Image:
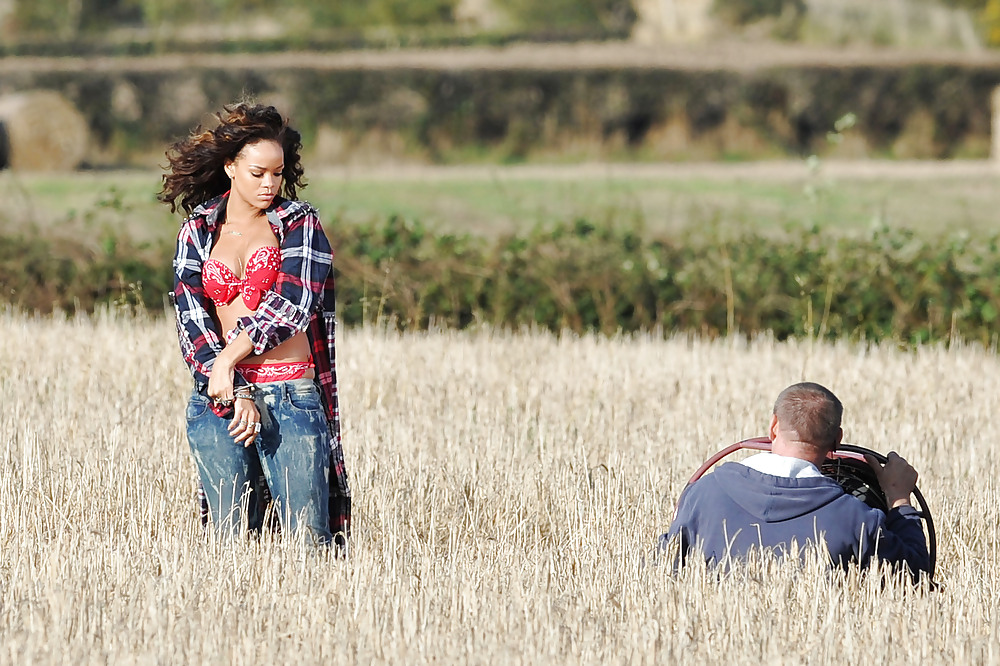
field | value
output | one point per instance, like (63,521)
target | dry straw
(509,489)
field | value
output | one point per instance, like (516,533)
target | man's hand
(897,478)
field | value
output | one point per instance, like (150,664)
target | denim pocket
(197,407)
(304,396)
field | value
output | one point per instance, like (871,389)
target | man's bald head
(810,414)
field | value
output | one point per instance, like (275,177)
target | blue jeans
(291,453)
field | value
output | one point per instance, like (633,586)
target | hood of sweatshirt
(774,498)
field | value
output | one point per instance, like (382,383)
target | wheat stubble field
(508,490)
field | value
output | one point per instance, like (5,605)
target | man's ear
(772,430)
(840,438)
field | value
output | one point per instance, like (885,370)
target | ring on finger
(256,427)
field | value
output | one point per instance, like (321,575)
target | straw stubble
(509,489)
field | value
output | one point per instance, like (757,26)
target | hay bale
(41,131)
(671,21)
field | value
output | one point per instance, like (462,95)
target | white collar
(775,465)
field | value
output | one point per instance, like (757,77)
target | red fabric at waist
(259,373)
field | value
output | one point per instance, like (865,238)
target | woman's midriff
(294,350)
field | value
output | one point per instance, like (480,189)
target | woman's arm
(197,332)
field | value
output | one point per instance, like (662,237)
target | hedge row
(344,39)
(582,277)
(662,113)
(141,27)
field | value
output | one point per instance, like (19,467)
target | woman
(254,301)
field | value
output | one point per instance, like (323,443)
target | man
(772,500)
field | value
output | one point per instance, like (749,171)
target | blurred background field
(740,108)
(661,200)
(610,80)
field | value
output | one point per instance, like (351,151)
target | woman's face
(256,173)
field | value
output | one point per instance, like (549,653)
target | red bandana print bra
(222,285)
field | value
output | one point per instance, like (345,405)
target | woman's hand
(220,381)
(245,425)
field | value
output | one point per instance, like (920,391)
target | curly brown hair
(196,163)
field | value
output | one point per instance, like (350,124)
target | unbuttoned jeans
(292,451)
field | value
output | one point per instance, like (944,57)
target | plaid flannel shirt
(302,299)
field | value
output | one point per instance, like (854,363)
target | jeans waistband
(283,388)
(280,388)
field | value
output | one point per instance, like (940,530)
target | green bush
(559,15)
(58,275)
(578,276)
(582,277)
(57,19)
(966,4)
(741,12)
